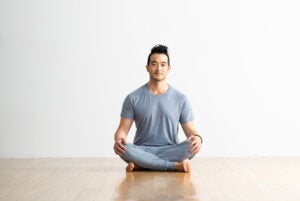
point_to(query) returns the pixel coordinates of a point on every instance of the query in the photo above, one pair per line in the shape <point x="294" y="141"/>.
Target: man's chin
<point x="158" y="78"/>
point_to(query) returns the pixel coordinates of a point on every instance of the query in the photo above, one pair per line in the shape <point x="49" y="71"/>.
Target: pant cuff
<point x="170" y="166"/>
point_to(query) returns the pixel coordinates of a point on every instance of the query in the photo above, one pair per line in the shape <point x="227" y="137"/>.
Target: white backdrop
<point x="66" y="66"/>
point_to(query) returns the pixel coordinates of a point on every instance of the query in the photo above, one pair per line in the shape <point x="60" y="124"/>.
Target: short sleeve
<point x="186" y="114"/>
<point x="127" y="108"/>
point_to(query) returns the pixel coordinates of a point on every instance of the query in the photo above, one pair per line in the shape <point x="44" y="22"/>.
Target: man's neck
<point x="158" y="88"/>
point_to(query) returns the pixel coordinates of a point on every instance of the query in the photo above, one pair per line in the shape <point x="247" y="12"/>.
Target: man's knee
<point x="128" y="154"/>
<point x="186" y="146"/>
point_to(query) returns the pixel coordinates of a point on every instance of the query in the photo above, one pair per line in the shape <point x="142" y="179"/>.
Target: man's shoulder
<point x="179" y="94"/>
<point x="137" y="92"/>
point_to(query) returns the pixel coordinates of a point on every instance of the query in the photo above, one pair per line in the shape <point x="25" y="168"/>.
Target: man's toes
<point x="130" y="167"/>
<point x="186" y="165"/>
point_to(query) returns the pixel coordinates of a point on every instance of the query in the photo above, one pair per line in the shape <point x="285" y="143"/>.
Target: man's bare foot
<point x="184" y="166"/>
<point x="132" y="167"/>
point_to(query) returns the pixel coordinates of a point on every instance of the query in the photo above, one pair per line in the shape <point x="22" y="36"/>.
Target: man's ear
<point x="147" y="68"/>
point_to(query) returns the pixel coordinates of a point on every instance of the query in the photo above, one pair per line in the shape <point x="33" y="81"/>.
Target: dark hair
<point x="160" y="49"/>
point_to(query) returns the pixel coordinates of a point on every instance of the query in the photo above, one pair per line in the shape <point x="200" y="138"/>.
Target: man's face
<point x="158" y="67"/>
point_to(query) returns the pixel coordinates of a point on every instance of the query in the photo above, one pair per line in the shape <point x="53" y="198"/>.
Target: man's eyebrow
<point x="164" y="62"/>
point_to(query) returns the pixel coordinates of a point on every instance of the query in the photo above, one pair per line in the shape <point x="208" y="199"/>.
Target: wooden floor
<point x="102" y="179"/>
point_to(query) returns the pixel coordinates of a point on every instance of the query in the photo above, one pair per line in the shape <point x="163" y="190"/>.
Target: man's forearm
<point x="191" y="132"/>
<point x="120" y="135"/>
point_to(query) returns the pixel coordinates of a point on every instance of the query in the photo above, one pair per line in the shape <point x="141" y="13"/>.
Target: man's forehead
<point x="159" y="58"/>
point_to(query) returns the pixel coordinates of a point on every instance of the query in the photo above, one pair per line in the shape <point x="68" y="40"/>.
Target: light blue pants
<point x="157" y="158"/>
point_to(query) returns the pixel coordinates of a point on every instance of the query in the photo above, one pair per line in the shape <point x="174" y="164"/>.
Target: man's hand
<point x="119" y="147"/>
<point x="195" y="145"/>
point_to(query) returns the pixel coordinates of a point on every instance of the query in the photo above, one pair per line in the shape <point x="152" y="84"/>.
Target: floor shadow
<point x="156" y="186"/>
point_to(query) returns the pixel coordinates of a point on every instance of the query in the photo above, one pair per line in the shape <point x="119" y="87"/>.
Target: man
<point x="157" y="109"/>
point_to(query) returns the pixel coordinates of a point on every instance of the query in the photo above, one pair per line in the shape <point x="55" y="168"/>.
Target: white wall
<point x="66" y="66"/>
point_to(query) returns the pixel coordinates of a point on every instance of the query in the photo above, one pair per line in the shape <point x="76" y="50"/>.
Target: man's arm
<point x="192" y="135"/>
<point x="121" y="135"/>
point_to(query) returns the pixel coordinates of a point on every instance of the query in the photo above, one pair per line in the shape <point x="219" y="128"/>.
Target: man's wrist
<point x="198" y="136"/>
<point x="118" y="139"/>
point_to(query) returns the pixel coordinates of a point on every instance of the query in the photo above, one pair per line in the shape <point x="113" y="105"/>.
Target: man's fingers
<point x="197" y="149"/>
<point x="119" y="148"/>
<point x="120" y="145"/>
<point x="119" y="151"/>
<point x="194" y="150"/>
<point x="194" y="146"/>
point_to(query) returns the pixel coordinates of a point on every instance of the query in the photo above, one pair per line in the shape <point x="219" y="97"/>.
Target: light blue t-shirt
<point x="157" y="117"/>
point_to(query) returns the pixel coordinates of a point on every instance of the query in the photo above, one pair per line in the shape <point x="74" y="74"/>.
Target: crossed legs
<point x="164" y="158"/>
